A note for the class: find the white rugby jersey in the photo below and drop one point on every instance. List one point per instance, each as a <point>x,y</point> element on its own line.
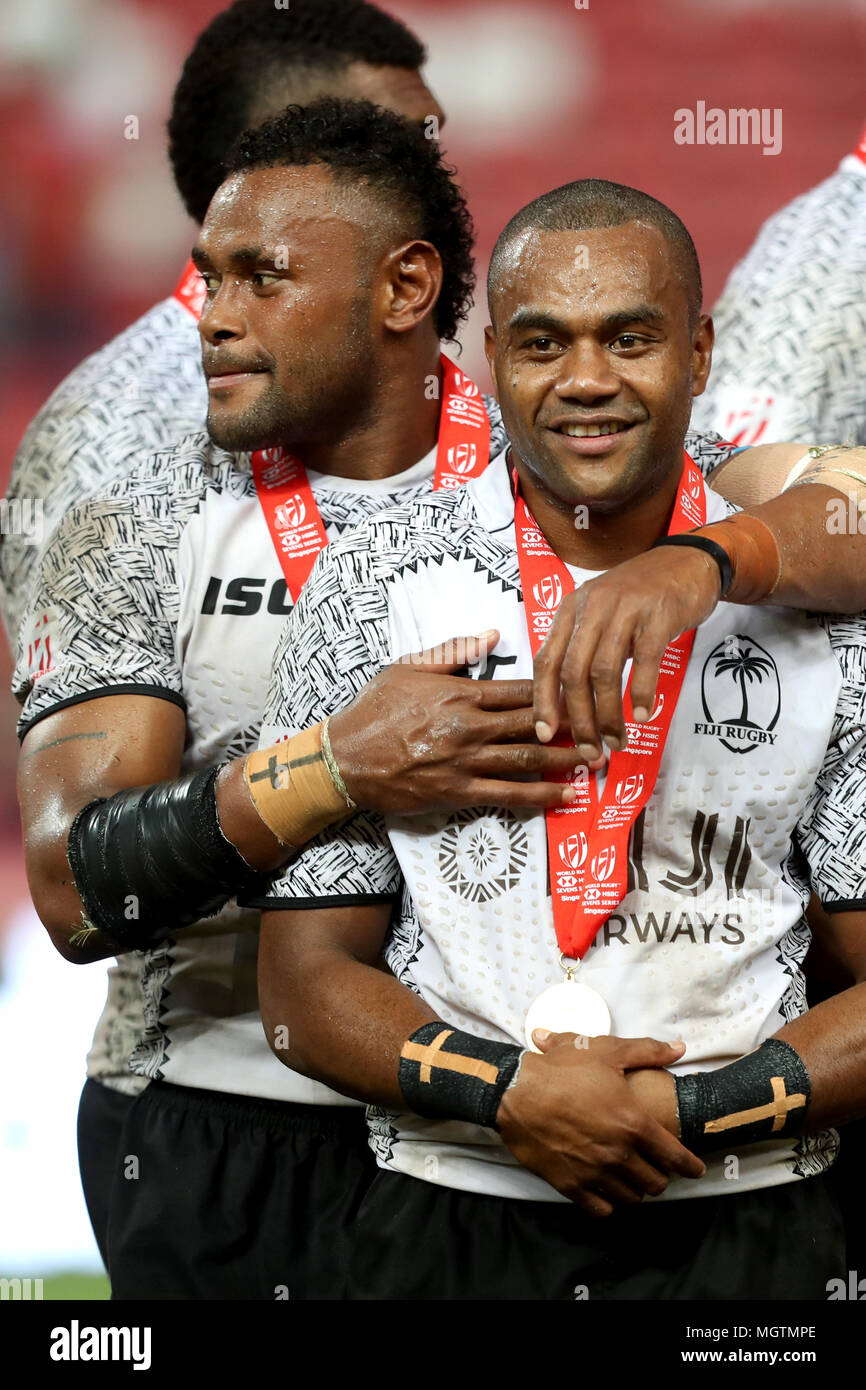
<point>143,391</point>
<point>166,583</point>
<point>761,795</point>
<point>790,354</point>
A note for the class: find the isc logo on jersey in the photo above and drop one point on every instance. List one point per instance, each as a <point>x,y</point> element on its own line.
<point>548,593</point>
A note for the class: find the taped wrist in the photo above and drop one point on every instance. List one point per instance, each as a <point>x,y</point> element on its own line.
<point>446,1073</point>
<point>762,1096</point>
<point>296,787</point>
<point>754,555</point>
<point>153,859</point>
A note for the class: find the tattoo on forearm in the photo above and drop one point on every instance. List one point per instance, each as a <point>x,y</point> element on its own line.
<point>66,739</point>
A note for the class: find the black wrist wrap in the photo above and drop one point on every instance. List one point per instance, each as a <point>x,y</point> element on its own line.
<point>762,1096</point>
<point>718,553</point>
<point>153,859</point>
<point>455,1075</point>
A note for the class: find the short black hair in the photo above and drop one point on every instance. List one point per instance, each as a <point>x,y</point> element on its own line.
<point>255,45</point>
<point>597,203</point>
<point>364,144</point>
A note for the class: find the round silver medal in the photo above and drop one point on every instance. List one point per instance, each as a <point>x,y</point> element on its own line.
<point>570,1007</point>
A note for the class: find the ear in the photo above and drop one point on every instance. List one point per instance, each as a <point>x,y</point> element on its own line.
<point>411,278</point>
<point>702,354</point>
<point>490,354</point>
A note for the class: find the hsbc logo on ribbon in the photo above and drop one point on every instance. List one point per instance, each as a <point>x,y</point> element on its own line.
<point>548,592</point>
<point>288,516</point>
<point>532,536</point>
<point>572,850</point>
<point>462,458</point>
<point>603,864</point>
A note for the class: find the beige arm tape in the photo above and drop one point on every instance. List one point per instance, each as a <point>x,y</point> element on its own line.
<point>754,555</point>
<point>293,788</point>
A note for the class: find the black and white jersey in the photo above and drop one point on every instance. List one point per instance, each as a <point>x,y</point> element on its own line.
<point>143,391</point>
<point>761,797</point>
<point>790,356</point>
<point>166,583</point>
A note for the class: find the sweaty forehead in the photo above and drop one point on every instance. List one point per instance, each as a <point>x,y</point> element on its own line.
<point>265,206</point>
<point>590,272</point>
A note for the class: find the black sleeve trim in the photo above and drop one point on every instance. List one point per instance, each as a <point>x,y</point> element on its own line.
<point>159,692</point>
<point>272,904</point>
<point>844,905</point>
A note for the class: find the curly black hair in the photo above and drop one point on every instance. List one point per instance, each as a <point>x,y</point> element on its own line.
<point>255,45</point>
<point>361,142</point>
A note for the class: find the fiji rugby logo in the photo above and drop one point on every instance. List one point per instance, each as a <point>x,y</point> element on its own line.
<point>741,694</point>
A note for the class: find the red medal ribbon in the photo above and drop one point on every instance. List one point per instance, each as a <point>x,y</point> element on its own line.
<point>587,841</point>
<point>860,147</point>
<point>190,290</point>
<point>283,488</point>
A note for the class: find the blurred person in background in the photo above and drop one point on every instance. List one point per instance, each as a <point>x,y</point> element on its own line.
<point>790,354</point>
<point>145,390</point>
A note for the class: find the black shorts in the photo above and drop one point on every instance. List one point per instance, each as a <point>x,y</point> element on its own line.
<point>231,1197</point>
<point>416,1240</point>
<point>102,1114</point>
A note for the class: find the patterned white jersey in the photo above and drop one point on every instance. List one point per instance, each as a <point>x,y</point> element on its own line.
<point>761,797</point>
<point>166,583</point>
<point>790,356</point>
<point>143,391</point>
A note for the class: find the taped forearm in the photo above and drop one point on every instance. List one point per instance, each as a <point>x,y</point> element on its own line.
<point>151,860</point>
<point>807,547</point>
<point>453,1075</point>
<point>753,555</point>
<point>764,1095</point>
<point>296,787</point>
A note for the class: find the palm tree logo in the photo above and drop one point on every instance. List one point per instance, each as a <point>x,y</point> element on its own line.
<point>745,666</point>
<point>752,669</point>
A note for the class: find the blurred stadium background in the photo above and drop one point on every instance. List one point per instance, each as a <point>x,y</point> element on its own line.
<point>537,92</point>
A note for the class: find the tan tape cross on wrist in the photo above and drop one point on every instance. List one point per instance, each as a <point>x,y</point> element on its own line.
<point>292,789</point>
